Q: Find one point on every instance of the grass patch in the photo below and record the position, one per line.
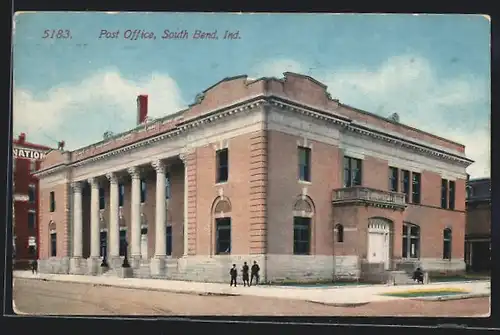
(426, 293)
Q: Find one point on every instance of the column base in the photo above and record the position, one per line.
(158, 266)
(76, 267)
(135, 262)
(115, 262)
(93, 265)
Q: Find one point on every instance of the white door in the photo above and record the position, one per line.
(375, 247)
(144, 246)
(379, 243)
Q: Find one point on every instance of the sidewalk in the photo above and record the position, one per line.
(342, 296)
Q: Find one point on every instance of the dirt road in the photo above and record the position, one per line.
(56, 298)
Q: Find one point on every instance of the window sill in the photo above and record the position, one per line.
(222, 183)
(304, 182)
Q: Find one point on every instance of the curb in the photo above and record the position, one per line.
(154, 289)
(340, 304)
(454, 297)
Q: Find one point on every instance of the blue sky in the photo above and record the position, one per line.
(433, 70)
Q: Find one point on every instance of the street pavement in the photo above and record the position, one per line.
(340, 296)
(41, 297)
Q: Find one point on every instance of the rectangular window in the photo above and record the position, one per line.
(121, 194)
(304, 164)
(52, 201)
(393, 179)
(415, 190)
(222, 157)
(167, 186)
(169, 240)
(223, 237)
(451, 199)
(352, 172)
(103, 243)
(53, 244)
(447, 243)
(31, 220)
(444, 193)
(31, 193)
(144, 187)
(102, 198)
(405, 183)
(301, 236)
(411, 241)
(123, 242)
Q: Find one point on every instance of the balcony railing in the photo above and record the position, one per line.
(368, 196)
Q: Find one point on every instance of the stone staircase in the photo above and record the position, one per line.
(400, 278)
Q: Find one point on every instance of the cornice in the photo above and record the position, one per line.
(51, 170)
(218, 115)
(348, 125)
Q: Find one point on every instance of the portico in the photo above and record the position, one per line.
(155, 174)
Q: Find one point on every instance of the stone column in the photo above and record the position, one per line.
(135, 217)
(183, 157)
(114, 228)
(158, 263)
(75, 263)
(95, 242)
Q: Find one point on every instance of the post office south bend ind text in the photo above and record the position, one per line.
(268, 170)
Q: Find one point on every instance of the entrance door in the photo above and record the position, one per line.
(379, 243)
(144, 243)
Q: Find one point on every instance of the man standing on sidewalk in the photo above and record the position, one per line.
(234, 274)
(255, 273)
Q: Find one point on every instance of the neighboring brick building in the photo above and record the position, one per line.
(26, 159)
(478, 227)
(271, 170)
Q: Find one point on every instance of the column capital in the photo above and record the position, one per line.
(112, 177)
(185, 154)
(159, 166)
(134, 172)
(93, 181)
(77, 186)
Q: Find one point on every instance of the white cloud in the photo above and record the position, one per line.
(409, 85)
(80, 113)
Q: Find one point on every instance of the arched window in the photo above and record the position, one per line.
(339, 231)
(411, 241)
(222, 213)
(447, 243)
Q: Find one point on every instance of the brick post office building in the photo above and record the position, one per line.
(268, 170)
(26, 159)
(478, 227)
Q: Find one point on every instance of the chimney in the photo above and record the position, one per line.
(22, 137)
(142, 108)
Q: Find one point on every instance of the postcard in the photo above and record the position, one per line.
(251, 164)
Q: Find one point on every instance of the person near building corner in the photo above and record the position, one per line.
(234, 274)
(255, 273)
(244, 271)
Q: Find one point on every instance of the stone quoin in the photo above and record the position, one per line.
(268, 170)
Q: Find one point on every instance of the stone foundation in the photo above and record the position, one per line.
(273, 268)
(54, 265)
